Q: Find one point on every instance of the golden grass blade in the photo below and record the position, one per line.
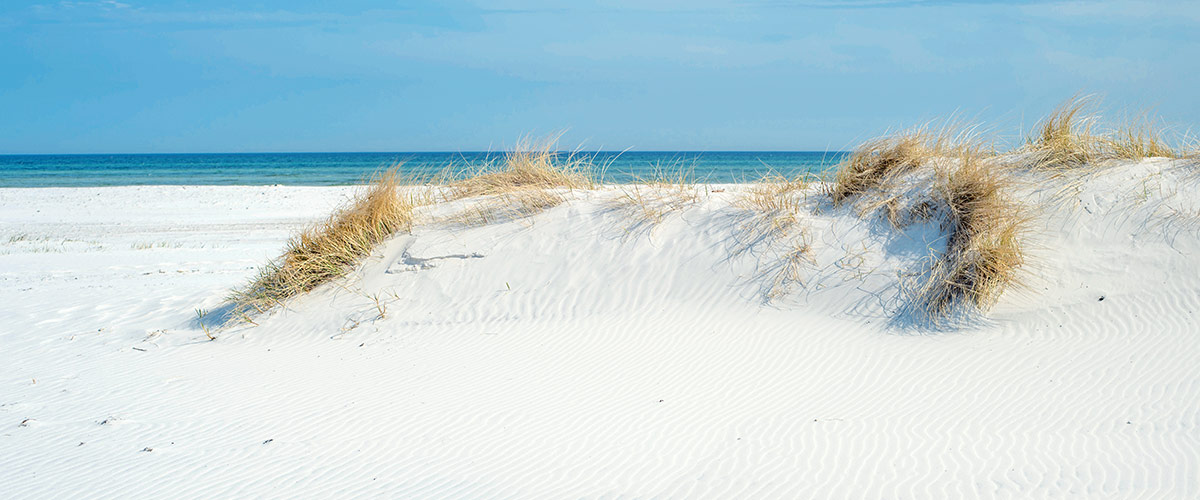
(330, 249)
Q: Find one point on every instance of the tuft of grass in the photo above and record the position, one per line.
(773, 194)
(1189, 147)
(872, 163)
(788, 270)
(332, 248)
(201, 314)
(878, 162)
(527, 181)
(776, 202)
(983, 250)
(533, 164)
(1066, 138)
(648, 201)
(380, 306)
(1139, 139)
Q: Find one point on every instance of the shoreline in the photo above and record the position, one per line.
(351, 168)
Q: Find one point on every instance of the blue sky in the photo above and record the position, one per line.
(196, 76)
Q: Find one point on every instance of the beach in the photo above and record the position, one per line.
(850, 249)
(598, 348)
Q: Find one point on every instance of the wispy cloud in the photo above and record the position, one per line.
(112, 11)
(115, 12)
(101, 4)
(67, 6)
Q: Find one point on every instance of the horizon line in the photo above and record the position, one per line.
(562, 151)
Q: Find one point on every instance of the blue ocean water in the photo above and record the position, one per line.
(328, 169)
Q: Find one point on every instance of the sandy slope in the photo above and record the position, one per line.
(577, 354)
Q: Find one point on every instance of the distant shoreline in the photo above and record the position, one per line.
(494, 152)
(343, 169)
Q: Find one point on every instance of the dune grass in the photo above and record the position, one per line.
(776, 206)
(1139, 138)
(332, 248)
(526, 181)
(777, 194)
(871, 164)
(875, 164)
(1070, 137)
(649, 200)
(789, 269)
(533, 164)
(945, 174)
(984, 243)
(972, 188)
(1189, 147)
(1066, 137)
(949, 174)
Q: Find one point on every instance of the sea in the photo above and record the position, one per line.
(332, 169)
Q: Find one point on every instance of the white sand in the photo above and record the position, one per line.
(570, 355)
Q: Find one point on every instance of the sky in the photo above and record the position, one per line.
(134, 76)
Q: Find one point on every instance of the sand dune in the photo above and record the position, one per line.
(579, 353)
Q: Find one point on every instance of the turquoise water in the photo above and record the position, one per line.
(329, 169)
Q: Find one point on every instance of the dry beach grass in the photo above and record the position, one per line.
(523, 184)
(984, 250)
(947, 175)
(328, 250)
(649, 200)
(1071, 137)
